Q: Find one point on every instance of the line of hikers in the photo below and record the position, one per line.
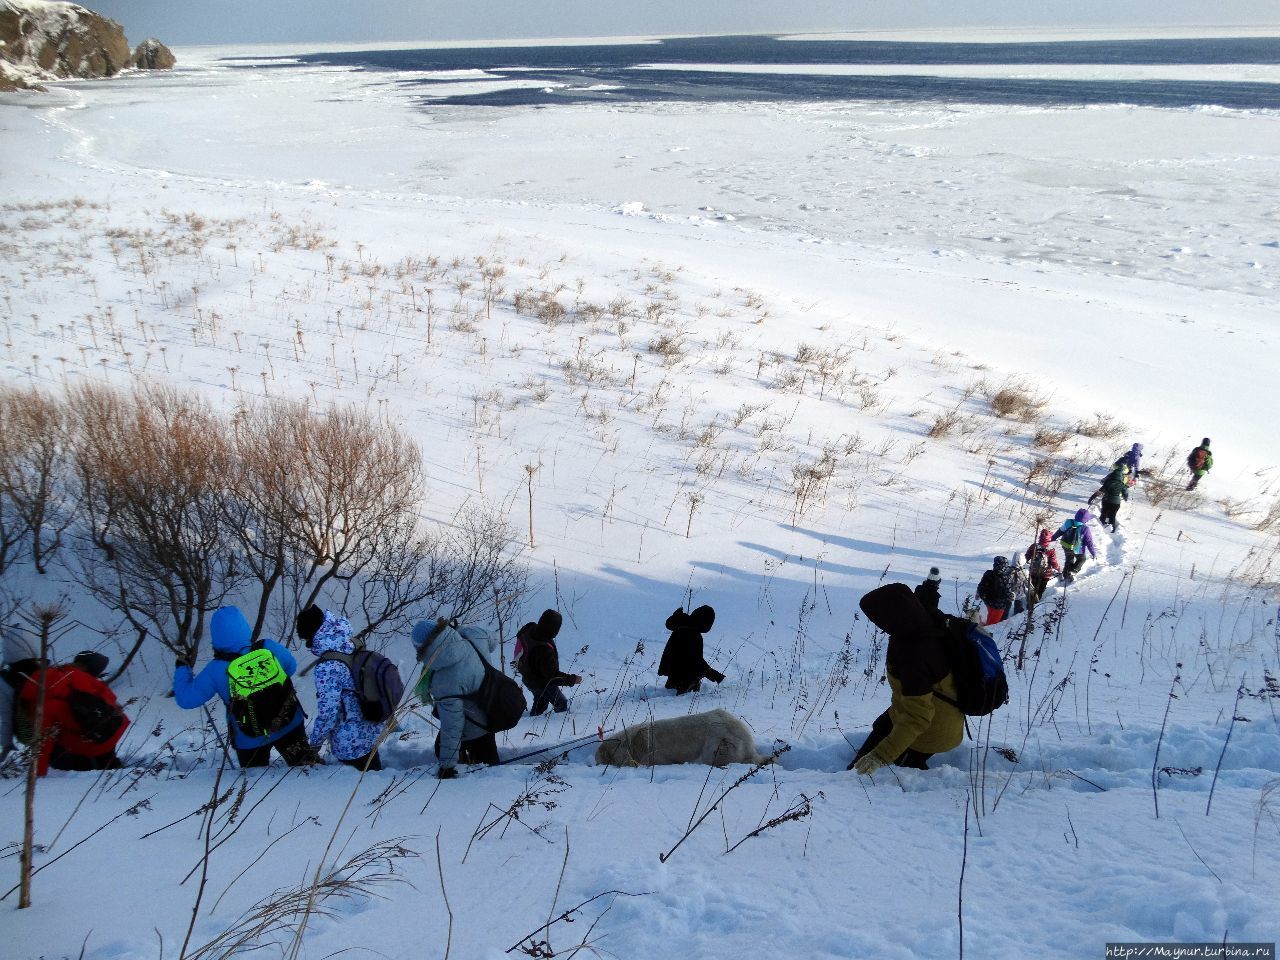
(358, 691)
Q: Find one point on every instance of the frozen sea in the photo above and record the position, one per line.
(734, 69)
(275, 223)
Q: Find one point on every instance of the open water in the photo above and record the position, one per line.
(584, 72)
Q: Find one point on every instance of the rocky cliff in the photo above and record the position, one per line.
(44, 40)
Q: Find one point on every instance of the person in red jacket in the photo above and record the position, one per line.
(64, 743)
(1042, 557)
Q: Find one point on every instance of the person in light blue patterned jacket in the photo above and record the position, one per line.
(351, 738)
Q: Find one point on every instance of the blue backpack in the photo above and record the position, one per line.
(976, 667)
(1071, 539)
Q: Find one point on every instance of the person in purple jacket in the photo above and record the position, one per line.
(1132, 463)
(1076, 539)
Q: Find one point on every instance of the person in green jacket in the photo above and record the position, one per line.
(1114, 491)
(1199, 462)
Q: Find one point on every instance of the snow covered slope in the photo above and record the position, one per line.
(625, 328)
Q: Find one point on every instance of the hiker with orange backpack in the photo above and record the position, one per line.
(1199, 462)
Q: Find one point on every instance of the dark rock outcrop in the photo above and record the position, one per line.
(151, 54)
(43, 40)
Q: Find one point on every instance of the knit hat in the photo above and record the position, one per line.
(424, 631)
(548, 625)
(92, 662)
(309, 621)
(934, 575)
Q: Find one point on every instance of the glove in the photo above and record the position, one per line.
(575, 679)
(446, 773)
(1092, 499)
(868, 764)
(715, 676)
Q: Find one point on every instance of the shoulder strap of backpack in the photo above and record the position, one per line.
(484, 662)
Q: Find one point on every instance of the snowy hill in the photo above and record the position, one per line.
(675, 400)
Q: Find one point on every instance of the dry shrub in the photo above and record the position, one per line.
(669, 346)
(1017, 400)
(37, 497)
(153, 468)
(1049, 438)
(944, 423)
(1271, 519)
(1102, 426)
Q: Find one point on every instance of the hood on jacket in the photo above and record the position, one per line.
(334, 635)
(1136, 449)
(229, 631)
(895, 610)
(1019, 560)
(1046, 537)
(548, 626)
(999, 563)
(1083, 515)
(702, 618)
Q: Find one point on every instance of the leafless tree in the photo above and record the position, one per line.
(153, 466)
(36, 500)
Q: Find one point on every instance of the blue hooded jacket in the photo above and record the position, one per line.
(229, 632)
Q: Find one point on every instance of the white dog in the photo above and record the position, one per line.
(716, 737)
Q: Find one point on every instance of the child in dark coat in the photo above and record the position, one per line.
(996, 590)
(928, 592)
(539, 664)
(682, 662)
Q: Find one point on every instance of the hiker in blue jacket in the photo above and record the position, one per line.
(1076, 538)
(230, 633)
(339, 721)
(452, 671)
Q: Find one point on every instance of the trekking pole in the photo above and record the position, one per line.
(554, 746)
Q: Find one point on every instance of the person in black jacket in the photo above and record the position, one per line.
(928, 592)
(921, 719)
(539, 664)
(996, 591)
(682, 662)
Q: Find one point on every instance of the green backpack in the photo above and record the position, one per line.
(263, 700)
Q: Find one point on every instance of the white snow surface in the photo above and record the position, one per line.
(261, 231)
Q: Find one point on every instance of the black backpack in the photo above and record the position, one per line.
(976, 668)
(499, 696)
(376, 681)
(263, 700)
(97, 719)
